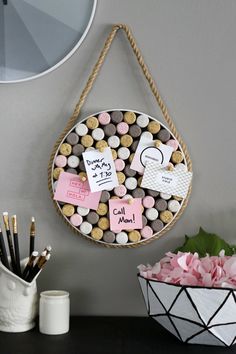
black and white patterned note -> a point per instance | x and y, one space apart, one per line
100 169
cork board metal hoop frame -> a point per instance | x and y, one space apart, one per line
166 226
75 118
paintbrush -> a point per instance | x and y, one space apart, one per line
41 257
9 240
16 245
30 264
32 236
3 251
48 249
38 266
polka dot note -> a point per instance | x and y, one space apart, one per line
121 132
125 214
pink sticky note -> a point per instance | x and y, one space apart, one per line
125 216
70 189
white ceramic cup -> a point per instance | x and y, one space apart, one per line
18 301
54 312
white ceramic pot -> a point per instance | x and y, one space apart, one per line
54 312
18 301
193 314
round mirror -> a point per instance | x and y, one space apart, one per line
38 36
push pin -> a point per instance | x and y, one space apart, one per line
130 201
83 178
102 148
170 167
158 143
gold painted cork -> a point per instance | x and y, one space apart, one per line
97 233
126 140
121 177
140 181
87 140
68 210
179 199
134 236
82 174
104 223
177 157
65 149
102 209
102 144
57 171
166 216
114 154
153 127
92 123
131 156
130 117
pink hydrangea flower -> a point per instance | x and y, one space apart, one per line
185 268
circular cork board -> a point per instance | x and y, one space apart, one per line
121 130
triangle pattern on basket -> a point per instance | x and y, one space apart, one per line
166 293
143 284
186 328
225 314
224 332
155 307
166 323
207 301
205 338
184 308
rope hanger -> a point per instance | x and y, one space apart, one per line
89 84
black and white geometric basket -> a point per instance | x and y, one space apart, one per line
193 314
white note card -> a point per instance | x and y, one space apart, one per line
100 169
157 178
148 152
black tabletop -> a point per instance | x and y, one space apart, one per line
105 335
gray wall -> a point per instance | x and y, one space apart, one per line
189 46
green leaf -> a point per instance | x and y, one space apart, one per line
204 243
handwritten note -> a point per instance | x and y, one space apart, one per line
146 151
100 170
157 178
125 216
70 189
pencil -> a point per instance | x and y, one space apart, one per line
38 266
30 264
9 240
16 245
32 235
4 258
